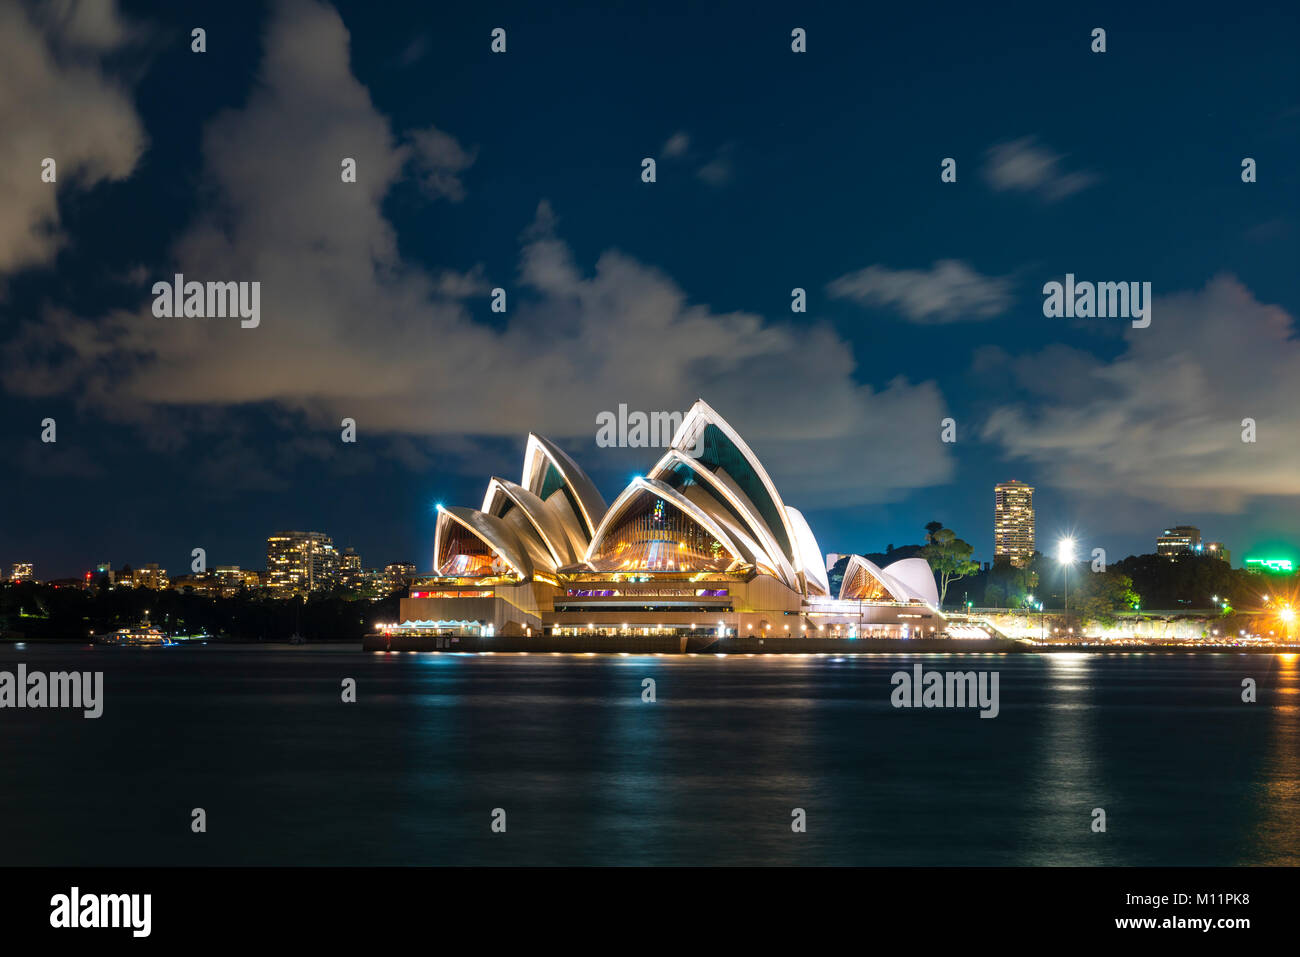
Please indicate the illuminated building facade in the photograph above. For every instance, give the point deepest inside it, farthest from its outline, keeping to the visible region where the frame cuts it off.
(396, 575)
(299, 562)
(1013, 522)
(1179, 540)
(151, 576)
(701, 544)
(20, 572)
(230, 579)
(1218, 550)
(351, 574)
(198, 583)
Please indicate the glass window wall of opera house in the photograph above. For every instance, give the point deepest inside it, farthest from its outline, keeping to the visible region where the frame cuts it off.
(701, 545)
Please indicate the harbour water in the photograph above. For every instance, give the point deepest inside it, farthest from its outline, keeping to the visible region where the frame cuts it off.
(588, 772)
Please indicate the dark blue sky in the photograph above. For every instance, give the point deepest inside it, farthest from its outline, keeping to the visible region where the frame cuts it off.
(784, 170)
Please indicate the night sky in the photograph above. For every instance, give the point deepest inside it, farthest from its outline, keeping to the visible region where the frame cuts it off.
(522, 170)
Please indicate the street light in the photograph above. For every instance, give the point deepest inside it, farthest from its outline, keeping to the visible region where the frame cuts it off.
(1065, 555)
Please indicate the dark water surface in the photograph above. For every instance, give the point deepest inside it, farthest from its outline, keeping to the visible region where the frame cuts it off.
(588, 773)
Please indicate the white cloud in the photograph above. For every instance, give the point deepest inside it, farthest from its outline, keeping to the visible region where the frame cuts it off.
(57, 101)
(717, 171)
(349, 328)
(950, 291)
(84, 24)
(1162, 421)
(441, 159)
(1026, 165)
(676, 146)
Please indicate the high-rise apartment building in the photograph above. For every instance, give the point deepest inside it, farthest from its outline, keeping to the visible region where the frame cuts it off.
(151, 576)
(351, 574)
(300, 562)
(397, 575)
(1013, 522)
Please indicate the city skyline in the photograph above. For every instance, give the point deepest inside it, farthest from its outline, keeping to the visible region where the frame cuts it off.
(296, 563)
(1020, 532)
(923, 297)
(1018, 527)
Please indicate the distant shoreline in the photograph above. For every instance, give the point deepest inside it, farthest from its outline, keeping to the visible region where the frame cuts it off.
(777, 646)
(633, 645)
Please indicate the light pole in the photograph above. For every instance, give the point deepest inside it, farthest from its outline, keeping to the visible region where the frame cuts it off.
(1065, 555)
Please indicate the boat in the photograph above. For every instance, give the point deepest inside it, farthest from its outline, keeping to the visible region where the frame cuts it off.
(134, 636)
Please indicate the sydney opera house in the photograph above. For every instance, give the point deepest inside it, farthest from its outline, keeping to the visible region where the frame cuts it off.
(702, 544)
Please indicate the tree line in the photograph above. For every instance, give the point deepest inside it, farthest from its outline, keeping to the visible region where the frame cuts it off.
(1138, 582)
(30, 610)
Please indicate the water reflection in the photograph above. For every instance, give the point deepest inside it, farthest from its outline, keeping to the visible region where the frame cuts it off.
(1065, 784)
(589, 773)
(1279, 792)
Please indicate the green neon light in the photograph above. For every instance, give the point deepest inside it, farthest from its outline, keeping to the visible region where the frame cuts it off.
(1273, 564)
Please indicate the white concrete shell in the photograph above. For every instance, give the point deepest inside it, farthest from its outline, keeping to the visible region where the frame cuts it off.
(488, 529)
(765, 548)
(809, 554)
(915, 574)
(542, 522)
(540, 456)
(896, 589)
(555, 520)
(764, 499)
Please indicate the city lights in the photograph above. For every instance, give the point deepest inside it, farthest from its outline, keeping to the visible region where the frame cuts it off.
(1065, 555)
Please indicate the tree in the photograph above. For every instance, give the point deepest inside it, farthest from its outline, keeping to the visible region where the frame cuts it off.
(1101, 594)
(949, 558)
(1009, 584)
(1192, 581)
(930, 529)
